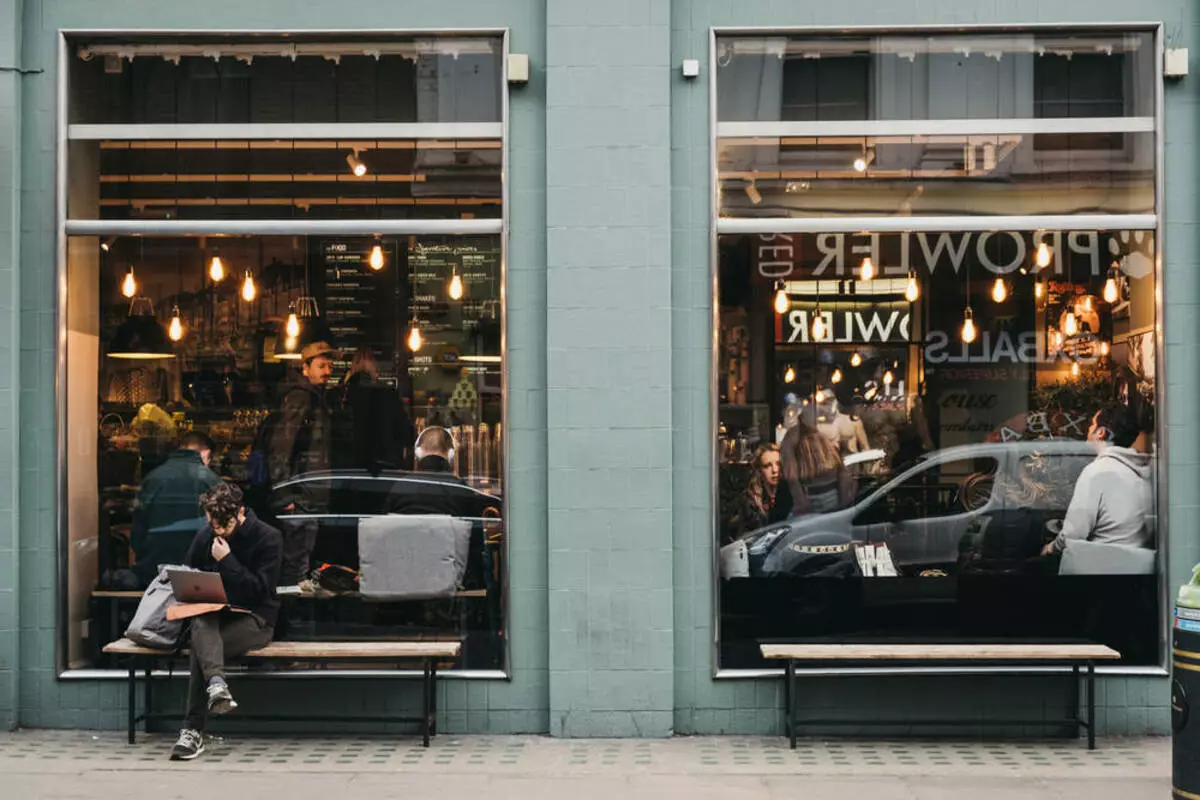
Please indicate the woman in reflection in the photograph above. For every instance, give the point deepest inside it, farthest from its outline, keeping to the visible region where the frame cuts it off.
(758, 506)
(815, 481)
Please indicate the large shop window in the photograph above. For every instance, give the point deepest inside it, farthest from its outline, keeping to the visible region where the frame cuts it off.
(937, 364)
(284, 271)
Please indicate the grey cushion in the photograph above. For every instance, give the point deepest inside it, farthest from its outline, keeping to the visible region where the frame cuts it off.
(1100, 558)
(412, 557)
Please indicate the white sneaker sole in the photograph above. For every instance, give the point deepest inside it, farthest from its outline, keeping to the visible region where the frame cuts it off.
(222, 706)
(187, 757)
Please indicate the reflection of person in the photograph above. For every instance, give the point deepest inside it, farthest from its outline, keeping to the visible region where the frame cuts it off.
(845, 431)
(246, 552)
(300, 443)
(815, 480)
(1112, 501)
(380, 432)
(168, 506)
(757, 505)
(435, 450)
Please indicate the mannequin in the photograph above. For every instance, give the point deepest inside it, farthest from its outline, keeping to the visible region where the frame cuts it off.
(841, 429)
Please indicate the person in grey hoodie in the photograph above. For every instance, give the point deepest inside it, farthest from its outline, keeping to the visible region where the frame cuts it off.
(1112, 501)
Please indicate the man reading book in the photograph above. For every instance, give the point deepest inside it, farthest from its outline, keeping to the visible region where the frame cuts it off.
(246, 552)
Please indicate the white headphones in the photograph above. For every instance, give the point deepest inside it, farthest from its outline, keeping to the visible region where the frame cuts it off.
(419, 449)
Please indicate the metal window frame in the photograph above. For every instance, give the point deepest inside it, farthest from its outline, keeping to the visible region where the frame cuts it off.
(719, 225)
(64, 228)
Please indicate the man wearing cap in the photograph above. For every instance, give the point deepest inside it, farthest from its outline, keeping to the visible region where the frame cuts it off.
(301, 443)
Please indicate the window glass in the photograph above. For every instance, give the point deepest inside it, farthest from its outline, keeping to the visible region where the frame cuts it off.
(969, 76)
(179, 82)
(946, 174)
(885, 473)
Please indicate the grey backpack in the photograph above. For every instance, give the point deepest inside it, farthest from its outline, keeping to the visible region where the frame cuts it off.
(150, 626)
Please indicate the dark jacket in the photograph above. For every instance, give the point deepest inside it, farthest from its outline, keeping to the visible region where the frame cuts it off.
(250, 572)
(168, 512)
(434, 464)
(374, 431)
(302, 440)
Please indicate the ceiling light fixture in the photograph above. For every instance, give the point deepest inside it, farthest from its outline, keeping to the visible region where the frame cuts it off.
(376, 260)
(1070, 324)
(455, 289)
(752, 191)
(216, 269)
(249, 290)
(836, 377)
(888, 377)
(414, 338)
(782, 304)
(969, 331)
(856, 359)
(912, 290)
(357, 166)
(789, 375)
(141, 335)
(175, 329)
(999, 291)
(129, 285)
(292, 328)
(1111, 292)
(1042, 259)
(867, 270)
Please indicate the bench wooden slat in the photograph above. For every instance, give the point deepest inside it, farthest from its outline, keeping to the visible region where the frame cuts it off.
(330, 650)
(940, 652)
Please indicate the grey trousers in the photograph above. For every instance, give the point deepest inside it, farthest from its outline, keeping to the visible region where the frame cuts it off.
(213, 639)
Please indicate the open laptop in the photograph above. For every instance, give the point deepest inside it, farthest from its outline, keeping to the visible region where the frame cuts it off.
(197, 587)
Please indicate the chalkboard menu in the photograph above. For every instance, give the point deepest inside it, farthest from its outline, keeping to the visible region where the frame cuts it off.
(351, 290)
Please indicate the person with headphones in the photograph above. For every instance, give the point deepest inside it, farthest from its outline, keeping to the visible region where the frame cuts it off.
(435, 450)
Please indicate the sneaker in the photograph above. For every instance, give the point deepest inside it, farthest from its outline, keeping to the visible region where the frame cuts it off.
(220, 701)
(189, 745)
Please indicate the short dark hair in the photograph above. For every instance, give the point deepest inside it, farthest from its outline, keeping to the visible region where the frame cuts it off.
(222, 502)
(1120, 422)
(436, 440)
(195, 440)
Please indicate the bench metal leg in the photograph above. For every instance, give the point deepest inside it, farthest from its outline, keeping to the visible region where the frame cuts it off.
(425, 704)
(148, 695)
(433, 698)
(1076, 705)
(789, 702)
(1091, 704)
(132, 699)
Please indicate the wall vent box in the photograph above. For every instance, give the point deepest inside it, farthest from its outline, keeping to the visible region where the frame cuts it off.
(1175, 62)
(518, 68)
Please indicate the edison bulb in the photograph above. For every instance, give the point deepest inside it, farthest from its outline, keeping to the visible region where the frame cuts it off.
(867, 270)
(856, 360)
(1110, 290)
(860, 164)
(888, 377)
(249, 290)
(871, 393)
(1105, 348)
(969, 331)
(129, 286)
(999, 291)
(456, 287)
(1039, 290)
(819, 396)
(781, 301)
(414, 339)
(375, 260)
(912, 290)
(290, 343)
(1042, 259)
(836, 377)
(819, 329)
(1070, 324)
(175, 329)
(1056, 340)
(292, 329)
(789, 375)
(1074, 369)
(216, 269)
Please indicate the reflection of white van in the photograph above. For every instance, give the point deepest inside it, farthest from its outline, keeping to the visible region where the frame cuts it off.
(924, 513)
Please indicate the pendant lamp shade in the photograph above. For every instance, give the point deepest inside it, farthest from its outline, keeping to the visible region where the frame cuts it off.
(141, 336)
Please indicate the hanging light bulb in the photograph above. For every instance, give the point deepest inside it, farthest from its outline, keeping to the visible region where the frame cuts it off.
(789, 375)
(871, 393)
(292, 329)
(129, 286)
(836, 377)
(819, 396)
(912, 290)
(1105, 348)
(414, 338)
(888, 377)
(175, 329)
(999, 290)
(866, 270)
(375, 260)
(1042, 259)
(969, 332)
(216, 269)
(819, 328)
(1056, 339)
(781, 299)
(1110, 289)
(249, 290)
(357, 167)
(1070, 324)
(1074, 369)
(1087, 304)
(1039, 290)
(456, 286)
(290, 343)
(855, 359)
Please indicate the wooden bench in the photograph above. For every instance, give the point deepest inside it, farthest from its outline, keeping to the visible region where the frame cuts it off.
(428, 652)
(1076, 656)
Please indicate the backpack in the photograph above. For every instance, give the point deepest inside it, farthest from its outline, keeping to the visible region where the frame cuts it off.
(150, 626)
(258, 465)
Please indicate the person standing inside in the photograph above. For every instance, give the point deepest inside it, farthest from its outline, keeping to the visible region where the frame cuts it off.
(168, 507)
(246, 552)
(1112, 501)
(300, 443)
(757, 504)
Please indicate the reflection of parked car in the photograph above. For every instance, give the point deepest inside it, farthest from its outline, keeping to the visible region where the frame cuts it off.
(357, 493)
(924, 513)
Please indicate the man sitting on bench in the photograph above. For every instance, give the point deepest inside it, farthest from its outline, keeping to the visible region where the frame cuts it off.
(246, 552)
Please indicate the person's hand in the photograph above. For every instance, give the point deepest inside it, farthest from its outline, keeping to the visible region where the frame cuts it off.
(1048, 550)
(220, 548)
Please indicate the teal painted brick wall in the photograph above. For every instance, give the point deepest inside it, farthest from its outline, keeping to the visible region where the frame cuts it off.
(519, 705)
(609, 335)
(10, 259)
(1127, 705)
